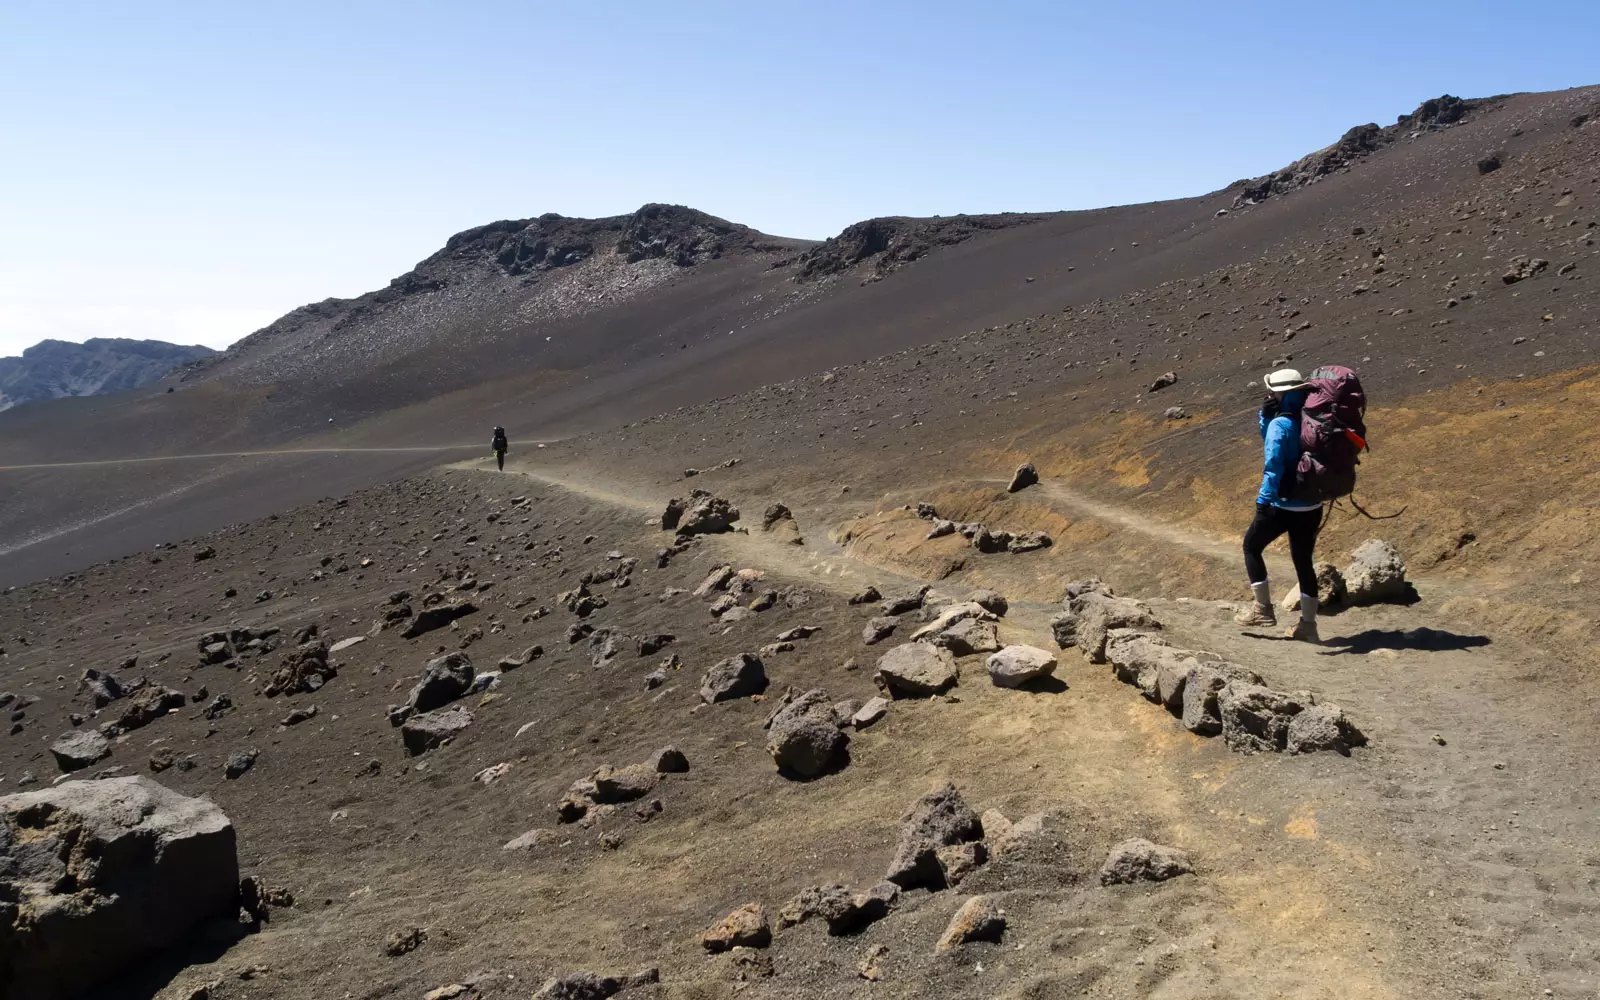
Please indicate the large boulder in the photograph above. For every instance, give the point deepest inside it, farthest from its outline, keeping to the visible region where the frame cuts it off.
(707, 515)
(430, 730)
(444, 680)
(76, 751)
(1376, 573)
(735, 677)
(905, 601)
(1101, 614)
(1139, 860)
(804, 738)
(916, 670)
(1015, 666)
(844, 911)
(98, 875)
(939, 819)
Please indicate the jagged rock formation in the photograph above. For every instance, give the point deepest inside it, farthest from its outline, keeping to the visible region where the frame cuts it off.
(1361, 141)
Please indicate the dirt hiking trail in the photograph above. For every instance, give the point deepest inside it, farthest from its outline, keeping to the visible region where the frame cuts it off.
(1438, 849)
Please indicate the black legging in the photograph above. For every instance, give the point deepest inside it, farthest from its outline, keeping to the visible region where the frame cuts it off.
(1270, 522)
(500, 458)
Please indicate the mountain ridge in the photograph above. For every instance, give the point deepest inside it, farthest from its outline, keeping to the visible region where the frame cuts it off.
(54, 369)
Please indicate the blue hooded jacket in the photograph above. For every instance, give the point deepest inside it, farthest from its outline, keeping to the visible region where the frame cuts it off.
(1282, 437)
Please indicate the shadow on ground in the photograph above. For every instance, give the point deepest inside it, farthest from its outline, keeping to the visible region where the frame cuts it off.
(1430, 640)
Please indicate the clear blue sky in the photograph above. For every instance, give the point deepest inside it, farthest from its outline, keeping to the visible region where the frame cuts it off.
(189, 171)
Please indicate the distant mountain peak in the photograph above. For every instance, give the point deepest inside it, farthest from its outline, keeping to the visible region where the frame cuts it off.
(52, 369)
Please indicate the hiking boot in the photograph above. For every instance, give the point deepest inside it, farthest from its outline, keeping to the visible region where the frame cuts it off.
(1304, 631)
(1256, 614)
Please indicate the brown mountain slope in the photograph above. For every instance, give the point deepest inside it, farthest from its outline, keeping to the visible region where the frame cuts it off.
(721, 326)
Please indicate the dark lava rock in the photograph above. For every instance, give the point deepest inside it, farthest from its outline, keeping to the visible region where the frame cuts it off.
(735, 677)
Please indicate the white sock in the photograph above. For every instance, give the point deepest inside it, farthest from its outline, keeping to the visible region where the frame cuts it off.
(1308, 607)
(1263, 593)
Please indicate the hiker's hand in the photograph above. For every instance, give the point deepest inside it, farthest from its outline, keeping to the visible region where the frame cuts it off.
(1269, 407)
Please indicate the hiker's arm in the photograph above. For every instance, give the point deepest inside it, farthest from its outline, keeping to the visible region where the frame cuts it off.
(1275, 473)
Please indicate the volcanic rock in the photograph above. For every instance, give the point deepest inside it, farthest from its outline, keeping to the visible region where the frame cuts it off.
(939, 819)
(1376, 573)
(1139, 860)
(904, 601)
(103, 874)
(1015, 666)
(878, 629)
(150, 704)
(437, 617)
(103, 687)
(302, 671)
(979, 919)
(735, 677)
(706, 515)
(444, 680)
(805, 740)
(871, 712)
(1256, 719)
(916, 670)
(240, 762)
(1322, 727)
(428, 730)
(76, 751)
(1025, 476)
(746, 927)
(991, 601)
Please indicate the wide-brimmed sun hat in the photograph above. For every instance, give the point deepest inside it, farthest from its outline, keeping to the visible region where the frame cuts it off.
(1285, 380)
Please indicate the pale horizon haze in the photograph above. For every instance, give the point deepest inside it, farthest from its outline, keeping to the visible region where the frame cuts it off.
(189, 172)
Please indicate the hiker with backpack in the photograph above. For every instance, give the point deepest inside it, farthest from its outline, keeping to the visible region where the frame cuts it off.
(499, 445)
(1313, 430)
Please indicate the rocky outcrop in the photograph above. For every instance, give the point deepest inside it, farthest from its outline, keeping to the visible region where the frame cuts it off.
(98, 875)
(1354, 146)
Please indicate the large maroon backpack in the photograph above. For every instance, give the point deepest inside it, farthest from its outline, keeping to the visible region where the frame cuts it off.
(1333, 433)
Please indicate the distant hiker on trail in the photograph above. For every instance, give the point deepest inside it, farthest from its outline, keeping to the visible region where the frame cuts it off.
(1314, 430)
(499, 446)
